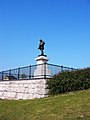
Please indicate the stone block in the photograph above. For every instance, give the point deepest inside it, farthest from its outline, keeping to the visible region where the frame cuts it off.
(26, 89)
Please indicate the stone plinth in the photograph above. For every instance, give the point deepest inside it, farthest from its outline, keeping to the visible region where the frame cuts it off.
(42, 67)
(41, 59)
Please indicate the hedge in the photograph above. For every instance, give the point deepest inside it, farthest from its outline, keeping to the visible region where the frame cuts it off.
(68, 81)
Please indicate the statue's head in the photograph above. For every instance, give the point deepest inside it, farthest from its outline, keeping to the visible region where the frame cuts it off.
(40, 40)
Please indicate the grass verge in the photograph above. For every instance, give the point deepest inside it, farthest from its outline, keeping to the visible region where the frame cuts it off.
(70, 106)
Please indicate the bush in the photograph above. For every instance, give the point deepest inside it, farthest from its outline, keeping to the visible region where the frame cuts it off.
(68, 81)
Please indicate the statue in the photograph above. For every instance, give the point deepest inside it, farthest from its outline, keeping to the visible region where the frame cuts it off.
(41, 46)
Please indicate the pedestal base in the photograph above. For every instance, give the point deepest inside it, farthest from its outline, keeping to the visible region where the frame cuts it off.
(42, 70)
(42, 55)
(41, 59)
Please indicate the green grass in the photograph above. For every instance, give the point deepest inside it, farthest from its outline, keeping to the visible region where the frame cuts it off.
(70, 106)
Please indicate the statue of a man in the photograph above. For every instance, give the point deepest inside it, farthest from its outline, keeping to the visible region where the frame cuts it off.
(41, 46)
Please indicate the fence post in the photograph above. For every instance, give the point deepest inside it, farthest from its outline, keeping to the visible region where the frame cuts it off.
(30, 72)
(18, 72)
(2, 75)
(72, 69)
(61, 68)
(44, 70)
(9, 72)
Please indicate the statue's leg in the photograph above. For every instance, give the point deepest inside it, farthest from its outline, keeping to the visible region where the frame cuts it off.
(42, 52)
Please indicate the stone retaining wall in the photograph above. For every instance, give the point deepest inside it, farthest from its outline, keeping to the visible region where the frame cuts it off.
(23, 89)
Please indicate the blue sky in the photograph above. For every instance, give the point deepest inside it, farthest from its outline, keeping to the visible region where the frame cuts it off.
(64, 25)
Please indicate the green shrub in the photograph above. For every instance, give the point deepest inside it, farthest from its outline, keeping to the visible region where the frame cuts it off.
(68, 81)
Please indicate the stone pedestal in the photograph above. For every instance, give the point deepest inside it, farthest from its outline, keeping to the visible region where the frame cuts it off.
(42, 70)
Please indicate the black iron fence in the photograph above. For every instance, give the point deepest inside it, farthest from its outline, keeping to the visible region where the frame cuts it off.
(33, 72)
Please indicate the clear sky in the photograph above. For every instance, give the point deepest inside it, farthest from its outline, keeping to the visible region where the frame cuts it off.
(64, 25)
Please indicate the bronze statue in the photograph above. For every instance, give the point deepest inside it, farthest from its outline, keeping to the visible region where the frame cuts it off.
(41, 46)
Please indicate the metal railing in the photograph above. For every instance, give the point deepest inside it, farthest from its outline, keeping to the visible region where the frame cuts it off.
(33, 72)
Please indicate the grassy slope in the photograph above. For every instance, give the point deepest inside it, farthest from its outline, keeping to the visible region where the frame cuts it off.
(71, 106)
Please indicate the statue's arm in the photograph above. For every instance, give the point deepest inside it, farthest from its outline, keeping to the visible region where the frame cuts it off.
(39, 46)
